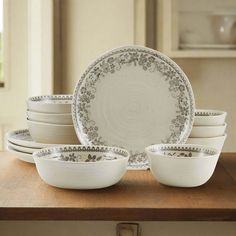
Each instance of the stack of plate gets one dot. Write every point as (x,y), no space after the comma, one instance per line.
(209,128)
(49,119)
(21,143)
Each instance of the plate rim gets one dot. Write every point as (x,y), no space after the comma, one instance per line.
(22,148)
(29,144)
(23,156)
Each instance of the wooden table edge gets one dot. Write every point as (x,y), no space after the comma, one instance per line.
(117,214)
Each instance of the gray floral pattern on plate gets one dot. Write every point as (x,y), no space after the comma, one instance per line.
(23,134)
(148,60)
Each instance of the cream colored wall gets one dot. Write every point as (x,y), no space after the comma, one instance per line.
(214,86)
(12,98)
(90,28)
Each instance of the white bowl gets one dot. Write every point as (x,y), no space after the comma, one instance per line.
(209,117)
(50,103)
(215,142)
(52,133)
(54,118)
(182,165)
(81,167)
(207,131)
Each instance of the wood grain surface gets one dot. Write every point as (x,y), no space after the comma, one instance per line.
(138,196)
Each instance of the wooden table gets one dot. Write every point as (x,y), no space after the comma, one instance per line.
(138,197)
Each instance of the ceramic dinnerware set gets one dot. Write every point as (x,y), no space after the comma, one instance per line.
(132,108)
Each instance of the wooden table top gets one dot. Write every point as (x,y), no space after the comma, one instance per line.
(138,196)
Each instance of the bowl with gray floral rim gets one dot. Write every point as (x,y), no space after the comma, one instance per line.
(50,103)
(81,167)
(182,165)
(81,154)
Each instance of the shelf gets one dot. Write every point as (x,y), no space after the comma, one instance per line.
(202,53)
(176,18)
(138,197)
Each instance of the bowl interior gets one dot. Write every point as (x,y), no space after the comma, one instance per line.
(182,151)
(82,153)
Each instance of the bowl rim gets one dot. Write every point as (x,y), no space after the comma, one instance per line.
(210,126)
(213,113)
(47,113)
(211,138)
(195,147)
(49,124)
(42,98)
(71,148)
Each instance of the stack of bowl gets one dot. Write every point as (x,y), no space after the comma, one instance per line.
(49,119)
(209,128)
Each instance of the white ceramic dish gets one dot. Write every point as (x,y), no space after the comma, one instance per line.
(215,142)
(208,131)
(54,118)
(185,165)
(21,155)
(50,103)
(131,97)
(209,117)
(23,138)
(81,167)
(52,133)
(22,148)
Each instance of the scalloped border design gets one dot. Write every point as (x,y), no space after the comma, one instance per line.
(51,97)
(208,113)
(207,151)
(66,149)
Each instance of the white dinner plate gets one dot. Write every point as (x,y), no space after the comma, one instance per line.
(22,148)
(22,137)
(133,97)
(21,155)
